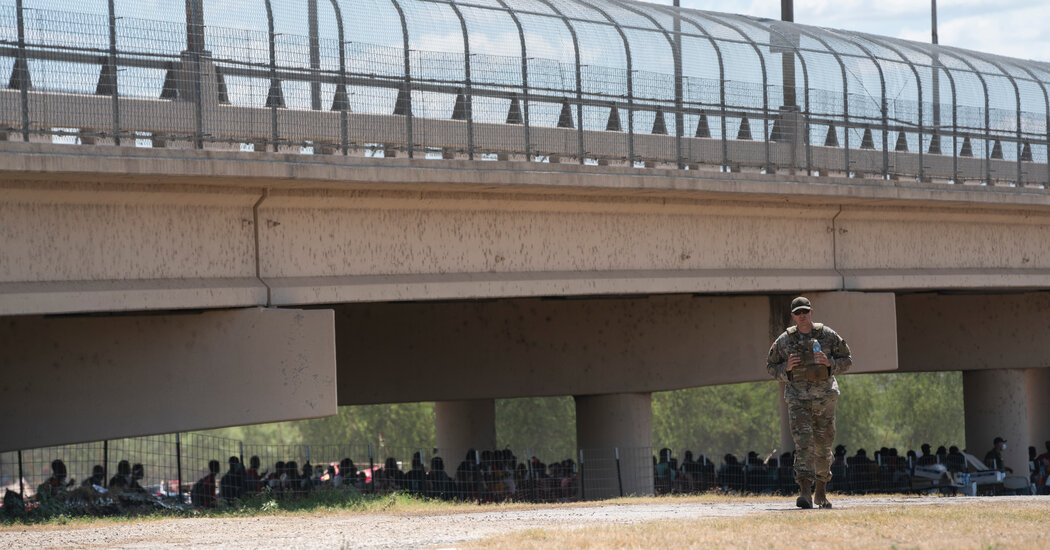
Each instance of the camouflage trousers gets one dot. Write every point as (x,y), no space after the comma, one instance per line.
(813,429)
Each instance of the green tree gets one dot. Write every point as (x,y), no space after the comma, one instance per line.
(402,426)
(545,426)
(715,420)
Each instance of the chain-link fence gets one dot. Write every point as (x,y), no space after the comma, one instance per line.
(583,81)
(177,471)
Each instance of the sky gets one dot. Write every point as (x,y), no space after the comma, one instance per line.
(1015,28)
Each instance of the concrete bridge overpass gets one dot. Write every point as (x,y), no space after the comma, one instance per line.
(269,285)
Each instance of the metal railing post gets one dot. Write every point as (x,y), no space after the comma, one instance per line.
(765,82)
(315,54)
(675,42)
(1046,106)
(629,75)
(524,80)
(195,43)
(468,92)
(407,83)
(918,90)
(721,83)
(341,99)
(579,78)
(115,101)
(22,66)
(274,95)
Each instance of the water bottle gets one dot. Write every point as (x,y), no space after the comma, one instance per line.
(816,345)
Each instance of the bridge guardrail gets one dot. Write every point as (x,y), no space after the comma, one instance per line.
(124,80)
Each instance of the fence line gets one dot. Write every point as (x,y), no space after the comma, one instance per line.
(182,470)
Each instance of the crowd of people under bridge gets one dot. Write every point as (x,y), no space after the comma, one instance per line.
(886,471)
(498,476)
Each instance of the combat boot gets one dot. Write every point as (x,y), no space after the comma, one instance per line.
(805,499)
(820,497)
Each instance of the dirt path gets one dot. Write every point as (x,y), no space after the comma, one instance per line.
(406,531)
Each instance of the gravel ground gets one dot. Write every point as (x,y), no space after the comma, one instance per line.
(374,531)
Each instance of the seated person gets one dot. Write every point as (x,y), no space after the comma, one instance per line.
(956,462)
(56,485)
(994,458)
(203,492)
(927,458)
(439,484)
(121,481)
(253,479)
(231,486)
(98,477)
(137,473)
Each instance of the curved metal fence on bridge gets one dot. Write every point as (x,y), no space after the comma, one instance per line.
(587,81)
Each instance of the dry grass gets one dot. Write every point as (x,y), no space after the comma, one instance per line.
(981,525)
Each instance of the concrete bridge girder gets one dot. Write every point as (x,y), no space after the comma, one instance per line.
(287,233)
(550,347)
(89,378)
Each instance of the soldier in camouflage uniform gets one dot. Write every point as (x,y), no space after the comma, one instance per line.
(811,392)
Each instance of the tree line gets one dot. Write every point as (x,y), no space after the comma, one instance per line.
(900,410)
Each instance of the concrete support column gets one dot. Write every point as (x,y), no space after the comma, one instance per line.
(995,404)
(609,423)
(787,443)
(464,425)
(1037,382)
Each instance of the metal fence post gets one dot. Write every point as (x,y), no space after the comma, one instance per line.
(582,488)
(105,463)
(619,474)
(178,465)
(372,467)
(21,478)
(477,474)
(532,474)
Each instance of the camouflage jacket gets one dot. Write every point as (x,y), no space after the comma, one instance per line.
(792,341)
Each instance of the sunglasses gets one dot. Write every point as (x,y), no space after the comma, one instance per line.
(802,312)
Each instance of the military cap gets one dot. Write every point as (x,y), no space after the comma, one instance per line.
(799,304)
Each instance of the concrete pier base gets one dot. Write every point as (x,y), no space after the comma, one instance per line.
(464,425)
(1037,382)
(609,424)
(995,404)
